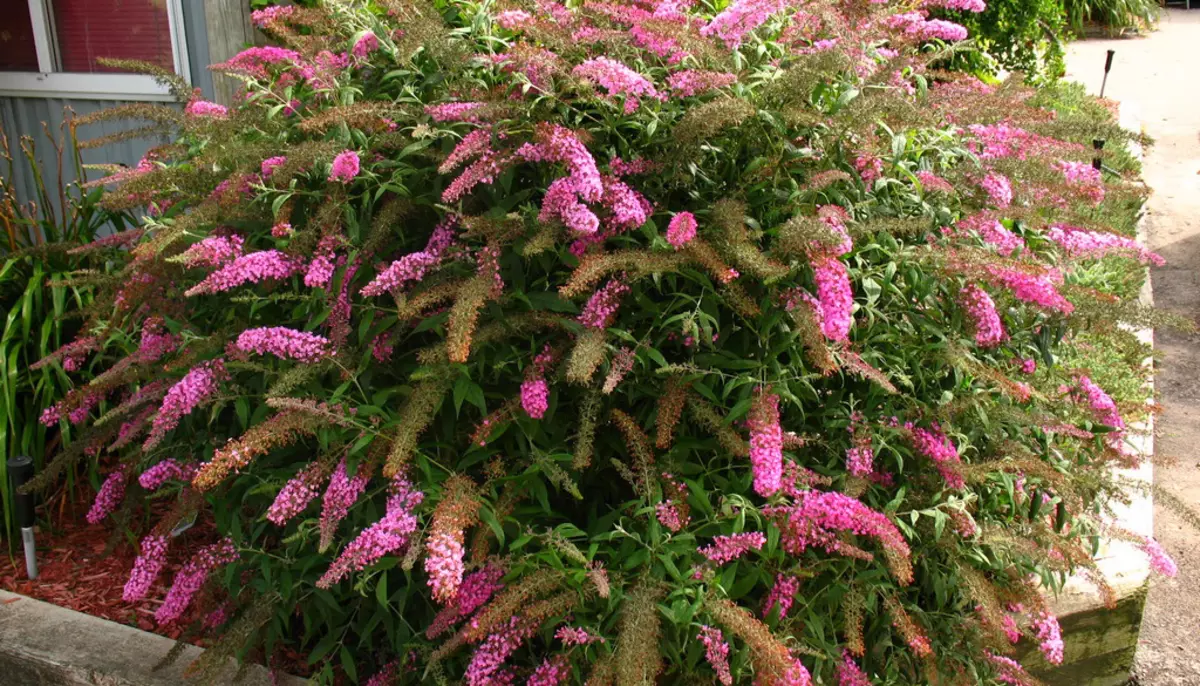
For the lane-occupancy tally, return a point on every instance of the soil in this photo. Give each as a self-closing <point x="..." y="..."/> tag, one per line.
<point x="1157" y="79"/>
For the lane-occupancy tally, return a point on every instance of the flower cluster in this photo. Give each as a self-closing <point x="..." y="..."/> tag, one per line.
<point x="255" y="267"/>
<point x="146" y="568"/>
<point x="716" y="651"/>
<point x="168" y="470"/>
<point x="766" y="443"/>
<point x="989" y="330"/>
<point x="389" y="534"/>
<point x="191" y="578"/>
<point x="601" y="308"/>
<point x="725" y="549"/>
<point x="197" y="387"/>
<point x="937" y="447"/>
<point x="108" y="498"/>
<point x="284" y="343"/>
<point x="340" y="495"/>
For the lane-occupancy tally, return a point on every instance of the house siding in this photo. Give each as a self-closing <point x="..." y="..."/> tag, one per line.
<point x="24" y="116"/>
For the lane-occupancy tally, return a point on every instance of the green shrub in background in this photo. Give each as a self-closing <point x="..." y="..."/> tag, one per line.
<point x="1016" y="35"/>
<point x="615" y="344"/>
<point x="1113" y="16"/>
<point x="41" y="297"/>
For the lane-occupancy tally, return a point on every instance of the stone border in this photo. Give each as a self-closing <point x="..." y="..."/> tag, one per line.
<point x="42" y="643"/>
<point x="1100" y="642"/>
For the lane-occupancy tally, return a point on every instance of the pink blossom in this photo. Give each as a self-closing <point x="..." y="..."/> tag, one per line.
<point x="672" y="512"/>
<point x="601" y="308"/>
<point x="617" y="79"/>
<point x="818" y="517"/>
<point x="1077" y="242"/>
<point x="444" y="564"/>
<point x="264" y="17"/>
<point x="168" y="470"/>
<point x="296" y="494"/>
<point x="848" y="673"/>
<point x="869" y="168"/>
<point x="552" y="672"/>
<point x="1086" y="178"/>
<point x="860" y="459"/>
<point x="457" y="111"/>
<point x="575" y="636"/>
<point x="916" y="25"/>
<point x="214" y="251"/>
<point x="989" y="330"/>
<point x="254" y="61"/>
<point x="681" y="230"/>
<point x="728" y="548"/>
<point x="146" y="568"/>
<point x="1160" y="560"/>
<point x="766" y="444"/>
<point x="834" y="296"/>
<point x="255" y="267"/>
<point x="204" y="108"/>
<point x="990" y="230"/>
<point x="629" y="209"/>
<point x="535" y="397"/>
<point x="691" y="82"/>
<point x="936" y="446"/>
<point x="270" y="164"/>
<point x="108" y="498"/>
<point x="739" y="18"/>
<point x="345" y="167"/>
<point x="489" y="658"/>
<point x="191" y="578"/>
<point x="284" y="343"/>
<point x="561" y="202"/>
<point x="1050" y="637"/>
<point x="340" y="495"/>
<point x="365" y="45"/>
<point x="1028" y="365"/>
<point x="194" y="389"/>
<point x="960" y="5"/>
<point x="782" y="594"/>
<point x="514" y="20"/>
<point x="933" y="182"/>
<point x="1038" y="289"/>
<point x="476" y="589"/>
<point x="1103" y="407"/>
<point x="716" y="651"/>
<point x="414" y="266"/>
<point x="998" y="189"/>
<point x="389" y="534"/>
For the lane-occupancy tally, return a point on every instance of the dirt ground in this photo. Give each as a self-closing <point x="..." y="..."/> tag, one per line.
<point x="1159" y="78"/>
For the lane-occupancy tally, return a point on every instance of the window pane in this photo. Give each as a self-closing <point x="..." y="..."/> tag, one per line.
<point x="17" y="51"/>
<point x="124" y="29"/>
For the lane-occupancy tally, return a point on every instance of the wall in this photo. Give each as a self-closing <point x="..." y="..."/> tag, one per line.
<point x="23" y="116"/>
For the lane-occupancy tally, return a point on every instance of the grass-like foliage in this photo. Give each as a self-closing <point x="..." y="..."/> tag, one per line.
<point x="614" y="343"/>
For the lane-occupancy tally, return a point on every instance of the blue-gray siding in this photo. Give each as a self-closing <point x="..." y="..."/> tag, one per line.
<point x="24" y="117"/>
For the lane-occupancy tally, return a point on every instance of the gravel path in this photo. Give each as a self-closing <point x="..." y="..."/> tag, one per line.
<point x="1159" y="77"/>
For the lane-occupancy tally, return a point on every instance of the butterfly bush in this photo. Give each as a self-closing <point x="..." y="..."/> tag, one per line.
<point x="694" y="329"/>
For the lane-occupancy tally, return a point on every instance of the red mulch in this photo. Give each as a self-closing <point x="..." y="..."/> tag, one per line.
<point x="74" y="572"/>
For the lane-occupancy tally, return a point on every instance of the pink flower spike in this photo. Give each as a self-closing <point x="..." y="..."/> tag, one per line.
<point x="108" y="498"/>
<point x="681" y="230"/>
<point x="146" y="568"/>
<point x="284" y="343"/>
<point x="728" y="548"/>
<point x="387" y="535"/>
<point x="191" y="578"/>
<point x="766" y="444"/>
<point x="345" y="167"/>
<point x="256" y="267"/>
<point x="716" y="651"/>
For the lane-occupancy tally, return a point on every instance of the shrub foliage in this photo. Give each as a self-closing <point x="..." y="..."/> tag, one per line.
<point x="612" y="343"/>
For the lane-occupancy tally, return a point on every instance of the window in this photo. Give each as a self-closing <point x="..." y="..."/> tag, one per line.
<point x="52" y="48"/>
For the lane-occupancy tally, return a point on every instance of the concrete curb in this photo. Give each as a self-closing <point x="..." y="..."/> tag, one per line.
<point x="45" y="644"/>
<point x="1100" y="643"/>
